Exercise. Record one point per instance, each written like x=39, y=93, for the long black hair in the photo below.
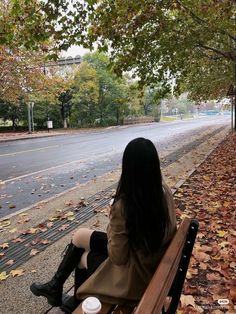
x=140, y=188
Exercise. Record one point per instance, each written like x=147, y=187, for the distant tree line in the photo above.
x=90, y=94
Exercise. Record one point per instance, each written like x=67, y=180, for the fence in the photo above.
x=134, y=120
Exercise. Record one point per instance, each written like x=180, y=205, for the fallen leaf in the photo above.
x=223, y=244
x=10, y=262
x=1, y=255
x=201, y=256
x=97, y=223
x=45, y=241
x=213, y=276
x=221, y=233
x=232, y=293
x=69, y=203
x=17, y=240
x=23, y=220
x=33, y=252
x=3, y=276
x=5, y=223
x=23, y=214
x=4, y=246
x=13, y=230
x=11, y=206
x=49, y=224
x=187, y=300
x=17, y=272
x=63, y=227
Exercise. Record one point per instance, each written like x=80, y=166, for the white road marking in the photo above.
x=27, y=151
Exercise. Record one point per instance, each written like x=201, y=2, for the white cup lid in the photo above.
x=91, y=305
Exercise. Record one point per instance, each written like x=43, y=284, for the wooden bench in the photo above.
x=164, y=290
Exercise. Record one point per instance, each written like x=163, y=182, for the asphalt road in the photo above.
x=35, y=169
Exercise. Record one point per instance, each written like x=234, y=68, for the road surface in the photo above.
x=35, y=169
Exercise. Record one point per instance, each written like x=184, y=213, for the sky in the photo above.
x=74, y=51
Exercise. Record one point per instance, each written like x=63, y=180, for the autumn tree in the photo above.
x=85, y=94
x=113, y=90
x=31, y=24
x=20, y=73
x=190, y=41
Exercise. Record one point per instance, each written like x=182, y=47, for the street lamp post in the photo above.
x=29, y=117
x=32, y=115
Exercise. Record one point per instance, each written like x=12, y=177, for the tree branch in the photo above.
x=226, y=54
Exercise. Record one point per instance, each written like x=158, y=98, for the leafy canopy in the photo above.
x=191, y=42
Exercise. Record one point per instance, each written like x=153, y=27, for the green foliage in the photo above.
x=185, y=40
x=44, y=111
x=13, y=112
x=85, y=94
x=113, y=95
x=32, y=24
x=192, y=42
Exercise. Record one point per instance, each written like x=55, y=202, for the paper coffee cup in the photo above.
x=91, y=305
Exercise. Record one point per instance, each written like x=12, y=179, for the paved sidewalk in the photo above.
x=15, y=295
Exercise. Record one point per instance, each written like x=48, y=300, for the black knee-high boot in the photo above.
x=52, y=290
x=81, y=275
x=69, y=303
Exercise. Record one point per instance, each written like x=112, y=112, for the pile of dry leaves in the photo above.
x=210, y=196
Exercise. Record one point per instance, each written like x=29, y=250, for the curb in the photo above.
x=30, y=137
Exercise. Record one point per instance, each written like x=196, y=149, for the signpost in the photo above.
x=31, y=117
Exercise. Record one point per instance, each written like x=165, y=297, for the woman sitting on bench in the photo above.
x=119, y=264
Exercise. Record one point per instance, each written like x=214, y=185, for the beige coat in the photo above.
x=124, y=275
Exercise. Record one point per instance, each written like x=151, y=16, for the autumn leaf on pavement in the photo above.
x=5, y=223
x=45, y=241
x=187, y=300
x=97, y=223
x=201, y=256
x=17, y=272
x=23, y=220
x=223, y=244
x=49, y=224
x=1, y=255
x=3, y=276
x=10, y=262
x=213, y=276
x=12, y=206
x=30, y=231
x=35, y=241
x=17, y=240
x=69, y=216
x=221, y=233
x=63, y=227
x=4, y=246
x=69, y=203
x=13, y=230
x=33, y=252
